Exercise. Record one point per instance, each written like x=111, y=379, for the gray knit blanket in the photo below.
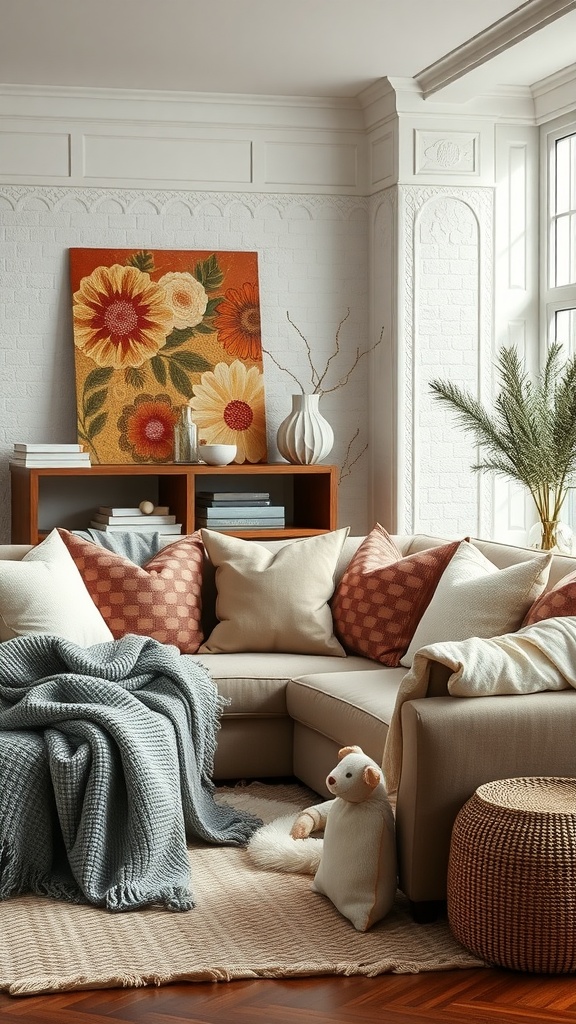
x=106, y=758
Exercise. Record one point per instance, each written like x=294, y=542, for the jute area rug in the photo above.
x=248, y=922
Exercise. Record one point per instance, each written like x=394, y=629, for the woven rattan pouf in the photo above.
x=512, y=874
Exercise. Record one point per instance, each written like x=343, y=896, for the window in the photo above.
x=560, y=278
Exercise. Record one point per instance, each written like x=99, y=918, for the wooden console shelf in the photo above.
x=44, y=498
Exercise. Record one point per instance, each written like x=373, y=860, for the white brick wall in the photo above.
x=313, y=255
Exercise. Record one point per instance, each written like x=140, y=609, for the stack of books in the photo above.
x=114, y=520
x=36, y=456
x=245, y=510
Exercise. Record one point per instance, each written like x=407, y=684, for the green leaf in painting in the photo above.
x=192, y=361
x=212, y=306
x=96, y=401
x=97, y=425
x=208, y=273
x=204, y=328
x=97, y=378
x=158, y=368
x=178, y=336
x=143, y=260
x=180, y=379
x=135, y=377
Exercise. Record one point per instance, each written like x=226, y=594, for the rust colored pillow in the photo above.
x=161, y=599
x=558, y=601
x=383, y=595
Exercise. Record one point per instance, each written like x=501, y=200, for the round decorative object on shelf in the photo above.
x=305, y=437
x=217, y=454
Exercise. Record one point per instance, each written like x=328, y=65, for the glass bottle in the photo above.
x=185, y=437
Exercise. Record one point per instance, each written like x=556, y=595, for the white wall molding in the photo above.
x=109, y=138
x=527, y=19
x=556, y=95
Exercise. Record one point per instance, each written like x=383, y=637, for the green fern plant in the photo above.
x=530, y=435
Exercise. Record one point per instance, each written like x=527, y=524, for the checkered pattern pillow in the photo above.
x=161, y=599
x=382, y=596
x=559, y=600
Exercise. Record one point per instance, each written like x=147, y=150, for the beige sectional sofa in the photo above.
x=288, y=714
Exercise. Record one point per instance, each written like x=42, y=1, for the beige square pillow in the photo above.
x=45, y=593
x=475, y=598
x=274, y=601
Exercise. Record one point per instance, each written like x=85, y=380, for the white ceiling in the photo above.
x=326, y=48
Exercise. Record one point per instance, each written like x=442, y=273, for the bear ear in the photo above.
x=348, y=750
x=371, y=776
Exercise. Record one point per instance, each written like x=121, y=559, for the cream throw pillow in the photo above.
x=475, y=598
x=274, y=600
x=45, y=593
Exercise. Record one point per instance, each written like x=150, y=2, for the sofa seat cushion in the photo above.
x=354, y=707
x=256, y=684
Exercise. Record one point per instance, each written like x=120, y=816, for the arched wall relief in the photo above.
x=445, y=330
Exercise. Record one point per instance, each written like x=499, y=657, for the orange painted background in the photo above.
x=157, y=329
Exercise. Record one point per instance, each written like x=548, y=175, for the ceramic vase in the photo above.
x=305, y=437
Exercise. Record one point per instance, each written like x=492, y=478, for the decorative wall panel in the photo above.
x=444, y=332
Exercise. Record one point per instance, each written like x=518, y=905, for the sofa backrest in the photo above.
x=501, y=555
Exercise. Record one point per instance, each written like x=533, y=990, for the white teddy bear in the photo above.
x=358, y=867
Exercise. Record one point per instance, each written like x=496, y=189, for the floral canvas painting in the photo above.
x=157, y=329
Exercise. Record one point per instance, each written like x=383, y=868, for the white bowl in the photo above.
x=217, y=454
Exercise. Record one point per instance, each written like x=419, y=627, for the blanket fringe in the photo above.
x=129, y=896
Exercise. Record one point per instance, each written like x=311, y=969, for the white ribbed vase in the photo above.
x=305, y=437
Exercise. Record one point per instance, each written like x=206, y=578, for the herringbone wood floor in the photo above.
x=453, y=997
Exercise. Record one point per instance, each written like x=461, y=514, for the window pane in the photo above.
x=562, y=252
x=563, y=161
x=564, y=329
x=563, y=212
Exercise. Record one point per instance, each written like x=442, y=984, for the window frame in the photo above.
x=552, y=298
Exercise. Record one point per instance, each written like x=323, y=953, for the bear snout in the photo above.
x=331, y=781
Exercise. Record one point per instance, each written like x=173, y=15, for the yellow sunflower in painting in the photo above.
x=228, y=408
x=237, y=322
x=121, y=317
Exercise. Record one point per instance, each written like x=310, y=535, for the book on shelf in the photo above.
x=272, y=523
x=242, y=512
x=112, y=510
x=41, y=447
x=66, y=461
x=238, y=503
x=233, y=495
x=140, y=520
x=139, y=528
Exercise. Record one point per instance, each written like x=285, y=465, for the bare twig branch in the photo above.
x=348, y=463
x=313, y=373
x=335, y=352
x=316, y=378
x=284, y=369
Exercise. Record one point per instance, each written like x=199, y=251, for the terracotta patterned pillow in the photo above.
x=383, y=595
x=161, y=599
x=559, y=600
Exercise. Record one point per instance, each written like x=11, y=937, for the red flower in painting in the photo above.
x=121, y=317
x=147, y=428
x=238, y=322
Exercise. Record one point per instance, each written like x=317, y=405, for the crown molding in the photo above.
x=133, y=105
x=503, y=34
x=555, y=95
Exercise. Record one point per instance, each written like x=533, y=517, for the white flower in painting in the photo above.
x=186, y=296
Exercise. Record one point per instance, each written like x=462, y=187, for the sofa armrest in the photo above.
x=452, y=745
